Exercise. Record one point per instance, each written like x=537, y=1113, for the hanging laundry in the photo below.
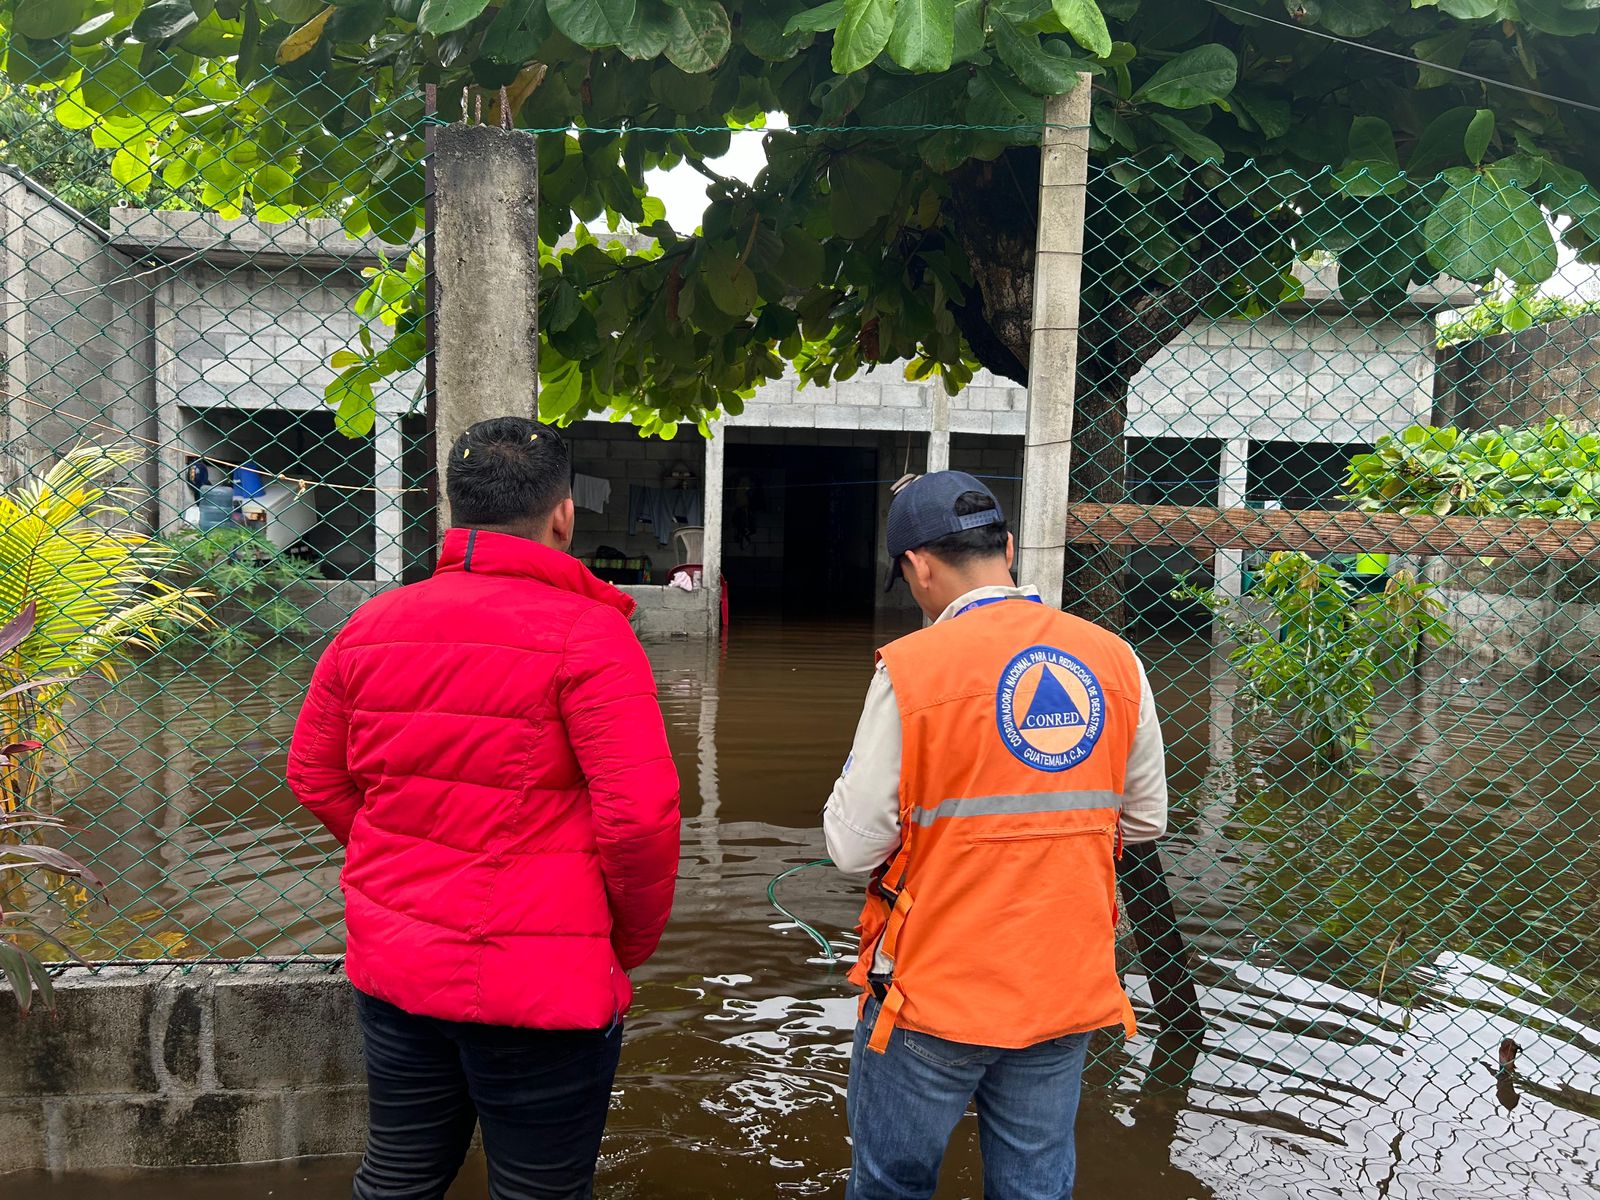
x=591, y=493
x=664, y=509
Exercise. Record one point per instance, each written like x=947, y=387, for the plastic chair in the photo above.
x=690, y=541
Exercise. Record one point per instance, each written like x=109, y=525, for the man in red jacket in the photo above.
x=488, y=748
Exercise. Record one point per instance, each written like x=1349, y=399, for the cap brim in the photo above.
x=893, y=577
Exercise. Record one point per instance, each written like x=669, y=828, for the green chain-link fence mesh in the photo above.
x=1383, y=774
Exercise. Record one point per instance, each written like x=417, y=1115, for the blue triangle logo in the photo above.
x=1052, y=708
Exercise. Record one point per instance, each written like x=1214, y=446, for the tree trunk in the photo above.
x=1095, y=586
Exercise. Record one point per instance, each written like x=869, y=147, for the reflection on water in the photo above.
x=1368, y=945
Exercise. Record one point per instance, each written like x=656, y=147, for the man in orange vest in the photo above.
x=1005, y=753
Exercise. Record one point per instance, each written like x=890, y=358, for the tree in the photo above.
x=896, y=217
x=67, y=161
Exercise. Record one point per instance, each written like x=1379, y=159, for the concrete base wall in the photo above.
x=666, y=612
x=175, y=1067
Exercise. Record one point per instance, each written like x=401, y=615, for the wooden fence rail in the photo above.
x=1323, y=531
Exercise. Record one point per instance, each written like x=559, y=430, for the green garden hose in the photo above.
x=809, y=930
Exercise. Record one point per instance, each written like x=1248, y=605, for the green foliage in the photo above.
x=23, y=857
x=1549, y=470
x=895, y=217
x=1510, y=312
x=1317, y=654
x=68, y=162
x=252, y=587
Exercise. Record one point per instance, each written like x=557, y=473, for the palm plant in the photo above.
x=92, y=584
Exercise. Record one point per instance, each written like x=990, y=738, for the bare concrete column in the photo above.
x=1233, y=477
x=172, y=488
x=711, y=549
x=939, y=436
x=1053, y=354
x=486, y=281
x=388, y=502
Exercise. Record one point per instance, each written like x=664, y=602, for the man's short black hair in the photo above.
x=506, y=470
x=970, y=545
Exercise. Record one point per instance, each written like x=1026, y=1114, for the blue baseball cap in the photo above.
x=925, y=510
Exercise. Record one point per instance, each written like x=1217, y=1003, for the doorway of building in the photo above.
x=800, y=529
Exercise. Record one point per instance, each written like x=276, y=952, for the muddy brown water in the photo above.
x=1364, y=947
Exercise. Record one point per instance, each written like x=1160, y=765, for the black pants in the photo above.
x=540, y=1095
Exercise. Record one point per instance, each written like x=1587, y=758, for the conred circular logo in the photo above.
x=1050, y=708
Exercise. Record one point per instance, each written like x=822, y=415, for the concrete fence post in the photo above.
x=939, y=435
x=486, y=281
x=1053, y=354
x=711, y=551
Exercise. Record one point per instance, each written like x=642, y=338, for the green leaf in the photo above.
x=1189, y=142
x=592, y=23
x=1372, y=141
x=1354, y=18
x=130, y=166
x=924, y=35
x=862, y=191
x=1468, y=10
x=1478, y=135
x=648, y=35
x=862, y=34
x=1083, y=20
x=1440, y=145
x=446, y=16
x=999, y=101
x=1197, y=77
x=355, y=409
x=559, y=391
x=1446, y=50
x=1558, y=17
x=1480, y=227
x=820, y=19
x=294, y=12
x=46, y=19
x=14, y=967
x=732, y=286
x=165, y=21
x=699, y=36
x=969, y=31
x=1045, y=67
x=1269, y=112
x=517, y=31
x=562, y=308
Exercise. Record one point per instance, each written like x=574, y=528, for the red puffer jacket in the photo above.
x=488, y=747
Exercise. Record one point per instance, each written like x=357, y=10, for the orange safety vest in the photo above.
x=999, y=911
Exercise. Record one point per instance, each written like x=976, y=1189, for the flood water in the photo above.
x=1364, y=946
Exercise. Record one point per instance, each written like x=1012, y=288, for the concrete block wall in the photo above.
x=71, y=315
x=251, y=337
x=998, y=462
x=1523, y=378
x=174, y=1067
x=618, y=454
x=882, y=401
x=1311, y=378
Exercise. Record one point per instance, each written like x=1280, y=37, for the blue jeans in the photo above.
x=905, y=1102
x=540, y=1095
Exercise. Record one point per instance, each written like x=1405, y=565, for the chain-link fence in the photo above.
x=1342, y=504
x=182, y=298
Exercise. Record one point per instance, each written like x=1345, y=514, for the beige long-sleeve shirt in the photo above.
x=862, y=816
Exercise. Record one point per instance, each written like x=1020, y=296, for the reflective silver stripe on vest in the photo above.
x=997, y=806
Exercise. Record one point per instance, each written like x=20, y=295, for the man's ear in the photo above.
x=921, y=567
x=563, y=522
